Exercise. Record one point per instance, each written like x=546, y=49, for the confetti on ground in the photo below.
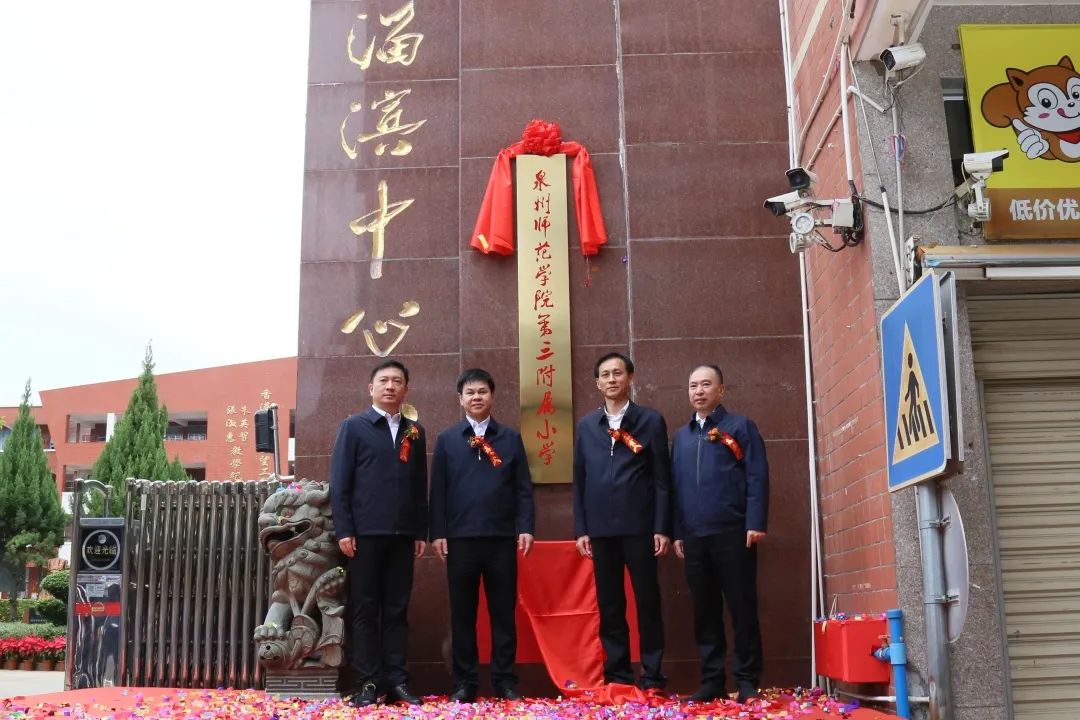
x=256, y=705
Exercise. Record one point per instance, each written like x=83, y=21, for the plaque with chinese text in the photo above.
x=547, y=422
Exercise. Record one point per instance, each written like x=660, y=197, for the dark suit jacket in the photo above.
x=615, y=491
x=371, y=491
x=472, y=498
x=716, y=493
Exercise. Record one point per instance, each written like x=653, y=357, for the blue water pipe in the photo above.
x=895, y=653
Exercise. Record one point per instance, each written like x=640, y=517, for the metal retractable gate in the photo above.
x=196, y=583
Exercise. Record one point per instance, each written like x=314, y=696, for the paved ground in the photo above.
x=23, y=682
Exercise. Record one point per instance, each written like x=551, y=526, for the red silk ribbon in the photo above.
x=494, y=231
x=626, y=439
x=479, y=442
x=406, y=443
x=718, y=435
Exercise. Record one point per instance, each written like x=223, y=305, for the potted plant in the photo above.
x=53, y=653
x=44, y=659
x=29, y=648
x=8, y=653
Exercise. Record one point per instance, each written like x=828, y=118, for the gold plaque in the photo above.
x=547, y=418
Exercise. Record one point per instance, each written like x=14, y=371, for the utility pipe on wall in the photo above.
x=817, y=585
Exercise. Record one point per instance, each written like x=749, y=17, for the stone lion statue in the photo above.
x=304, y=625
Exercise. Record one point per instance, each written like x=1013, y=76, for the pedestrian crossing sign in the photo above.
x=915, y=427
x=916, y=396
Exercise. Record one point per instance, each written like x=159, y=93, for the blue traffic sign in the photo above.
x=917, y=439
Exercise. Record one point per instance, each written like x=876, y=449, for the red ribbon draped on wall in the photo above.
x=494, y=231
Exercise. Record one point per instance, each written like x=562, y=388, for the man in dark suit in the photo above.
x=378, y=494
x=622, y=516
x=721, y=486
x=481, y=513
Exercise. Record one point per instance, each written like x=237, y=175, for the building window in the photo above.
x=187, y=426
x=4, y=432
x=75, y=471
x=957, y=124
x=87, y=428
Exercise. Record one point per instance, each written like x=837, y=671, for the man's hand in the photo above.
x=753, y=537
x=348, y=546
x=584, y=546
x=418, y=548
x=680, y=552
x=525, y=543
x=439, y=546
x=660, y=544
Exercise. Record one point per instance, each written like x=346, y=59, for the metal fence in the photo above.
x=196, y=583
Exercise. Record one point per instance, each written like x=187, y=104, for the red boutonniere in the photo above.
x=479, y=442
x=406, y=443
x=626, y=439
x=718, y=435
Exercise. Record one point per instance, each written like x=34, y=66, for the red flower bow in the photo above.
x=718, y=435
x=541, y=138
x=626, y=439
x=477, y=441
x=406, y=443
x=494, y=230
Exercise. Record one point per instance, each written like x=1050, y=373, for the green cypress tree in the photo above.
x=137, y=447
x=31, y=519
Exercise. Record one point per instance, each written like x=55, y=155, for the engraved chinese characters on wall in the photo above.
x=240, y=437
x=381, y=127
x=237, y=434
x=544, y=317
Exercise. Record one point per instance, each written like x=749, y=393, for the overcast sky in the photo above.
x=151, y=174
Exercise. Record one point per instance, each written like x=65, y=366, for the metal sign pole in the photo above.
x=276, y=439
x=73, y=566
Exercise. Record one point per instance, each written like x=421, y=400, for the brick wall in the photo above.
x=859, y=557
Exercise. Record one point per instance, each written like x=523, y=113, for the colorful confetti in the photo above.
x=256, y=705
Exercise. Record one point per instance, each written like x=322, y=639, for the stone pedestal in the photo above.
x=307, y=684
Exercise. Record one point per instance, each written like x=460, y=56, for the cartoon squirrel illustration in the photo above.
x=1042, y=106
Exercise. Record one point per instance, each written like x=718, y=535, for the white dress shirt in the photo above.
x=479, y=428
x=393, y=420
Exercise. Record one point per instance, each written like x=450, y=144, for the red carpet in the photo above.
x=137, y=703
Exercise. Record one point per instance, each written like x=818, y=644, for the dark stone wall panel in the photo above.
x=699, y=26
x=426, y=229
x=331, y=292
x=705, y=190
x=434, y=144
x=727, y=97
x=714, y=288
x=497, y=104
x=522, y=33
x=328, y=60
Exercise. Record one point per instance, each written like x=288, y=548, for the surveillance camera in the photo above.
x=982, y=164
x=801, y=178
x=901, y=57
x=798, y=243
x=785, y=203
x=803, y=223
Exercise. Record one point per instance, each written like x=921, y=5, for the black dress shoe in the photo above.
x=400, y=693
x=464, y=694
x=747, y=692
x=508, y=692
x=368, y=695
x=705, y=693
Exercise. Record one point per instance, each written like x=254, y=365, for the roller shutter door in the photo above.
x=1027, y=350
